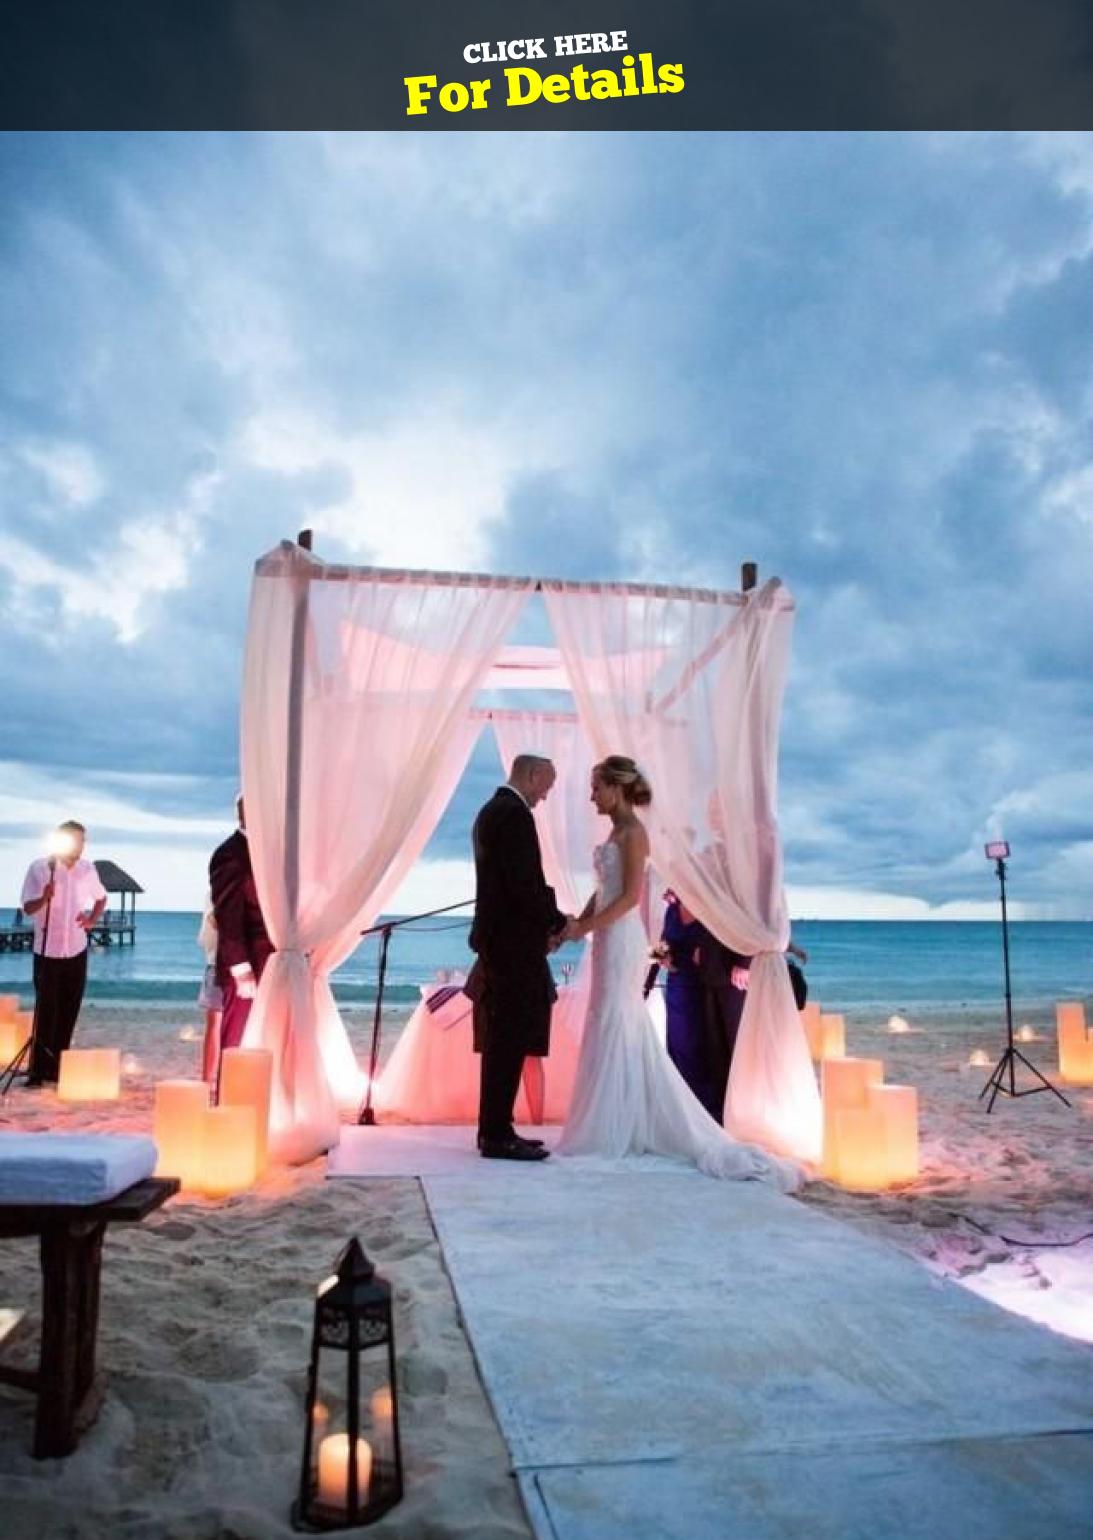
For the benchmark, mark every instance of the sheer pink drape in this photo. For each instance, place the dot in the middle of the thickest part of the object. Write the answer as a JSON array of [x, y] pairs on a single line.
[[356, 693], [690, 684], [568, 824]]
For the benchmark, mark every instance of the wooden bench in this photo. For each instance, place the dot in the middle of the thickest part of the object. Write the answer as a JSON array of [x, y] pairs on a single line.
[[71, 1240]]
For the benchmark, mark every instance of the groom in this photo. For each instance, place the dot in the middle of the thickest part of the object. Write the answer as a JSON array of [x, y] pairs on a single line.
[[516, 922]]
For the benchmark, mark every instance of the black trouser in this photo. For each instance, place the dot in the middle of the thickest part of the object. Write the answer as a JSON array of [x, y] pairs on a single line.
[[723, 1007], [58, 993], [502, 1063]]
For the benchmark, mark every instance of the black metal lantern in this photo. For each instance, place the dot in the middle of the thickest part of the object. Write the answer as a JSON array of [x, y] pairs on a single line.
[[352, 1467]]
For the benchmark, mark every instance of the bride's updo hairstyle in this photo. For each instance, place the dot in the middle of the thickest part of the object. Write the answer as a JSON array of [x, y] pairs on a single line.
[[617, 770]]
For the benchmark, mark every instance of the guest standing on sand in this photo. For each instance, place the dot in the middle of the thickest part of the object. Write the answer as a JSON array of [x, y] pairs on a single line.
[[64, 897], [243, 945]]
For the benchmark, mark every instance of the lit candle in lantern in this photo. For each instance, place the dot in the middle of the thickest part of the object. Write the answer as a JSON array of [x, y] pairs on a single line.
[[1075, 1044], [334, 1470], [897, 1025], [380, 1405], [898, 1106], [90, 1075], [844, 1085], [227, 1150], [245, 1075], [979, 1059], [179, 1109]]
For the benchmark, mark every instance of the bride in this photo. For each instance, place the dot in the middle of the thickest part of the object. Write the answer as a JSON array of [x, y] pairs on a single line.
[[628, 1096]]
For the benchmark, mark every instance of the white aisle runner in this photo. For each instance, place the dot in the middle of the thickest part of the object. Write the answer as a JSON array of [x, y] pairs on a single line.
[[674, 1358]]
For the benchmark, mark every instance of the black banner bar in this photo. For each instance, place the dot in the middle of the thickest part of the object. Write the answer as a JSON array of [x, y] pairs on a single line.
[[595, 65]]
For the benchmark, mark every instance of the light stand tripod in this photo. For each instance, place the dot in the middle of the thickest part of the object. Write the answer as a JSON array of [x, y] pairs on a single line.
[[9, 1072], [1006, 1066]]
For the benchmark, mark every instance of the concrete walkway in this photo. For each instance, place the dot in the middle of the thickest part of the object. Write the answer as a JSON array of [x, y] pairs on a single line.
[[674, 1358]]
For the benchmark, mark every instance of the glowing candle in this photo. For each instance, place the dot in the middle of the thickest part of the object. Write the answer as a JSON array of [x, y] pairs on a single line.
[[1075, 1044], [90, 1075], [380, 1405], [844, 1085], [245, 1075], [898, 1106], [334, 1470], [227, 1150], [13, 1034], [897, 1025], [859, 1149], [810, 1020], [832, 1037], [180, 1106], [979, 1059]]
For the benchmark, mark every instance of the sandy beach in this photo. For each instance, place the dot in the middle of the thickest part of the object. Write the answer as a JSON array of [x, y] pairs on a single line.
[[206, 1307]]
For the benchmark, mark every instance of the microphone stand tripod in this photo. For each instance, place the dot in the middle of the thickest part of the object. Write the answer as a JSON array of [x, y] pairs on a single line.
[[8, 1074], [367, 1115], [1006, 1065]]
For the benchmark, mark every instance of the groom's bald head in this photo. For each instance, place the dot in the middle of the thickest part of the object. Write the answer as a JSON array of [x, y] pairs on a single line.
[[532, 775]]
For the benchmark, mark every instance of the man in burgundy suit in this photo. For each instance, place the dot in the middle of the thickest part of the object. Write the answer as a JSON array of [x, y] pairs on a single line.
[[242, 943]]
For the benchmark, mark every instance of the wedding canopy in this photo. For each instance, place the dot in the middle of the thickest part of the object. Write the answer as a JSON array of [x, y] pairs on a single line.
[[359, 717]]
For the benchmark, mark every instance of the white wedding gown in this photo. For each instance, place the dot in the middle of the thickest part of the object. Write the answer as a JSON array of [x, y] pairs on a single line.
[[628, 1096]]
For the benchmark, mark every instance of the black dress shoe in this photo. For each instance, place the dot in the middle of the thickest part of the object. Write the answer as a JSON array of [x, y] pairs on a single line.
[[511, 1149], [535, 1144]]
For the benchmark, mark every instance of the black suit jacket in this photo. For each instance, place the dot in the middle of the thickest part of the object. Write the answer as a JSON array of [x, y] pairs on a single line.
[[240, 929], [515, 911]]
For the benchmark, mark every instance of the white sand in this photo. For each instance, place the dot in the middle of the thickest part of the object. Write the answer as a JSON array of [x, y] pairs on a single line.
[[204, 1340], [207, 1307], [1000, 1196]]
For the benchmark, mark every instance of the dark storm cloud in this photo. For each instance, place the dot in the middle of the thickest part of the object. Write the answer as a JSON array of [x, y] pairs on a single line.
[[859, 360]]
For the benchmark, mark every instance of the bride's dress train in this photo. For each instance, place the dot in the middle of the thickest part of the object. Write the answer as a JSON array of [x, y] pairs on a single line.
[[628, 1096]]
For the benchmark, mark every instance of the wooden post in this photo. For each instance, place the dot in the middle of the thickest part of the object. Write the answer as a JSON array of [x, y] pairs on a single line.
[[749, 576]]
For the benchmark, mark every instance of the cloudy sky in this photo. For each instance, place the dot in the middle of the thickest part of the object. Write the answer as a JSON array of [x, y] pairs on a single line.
[[865, 362]]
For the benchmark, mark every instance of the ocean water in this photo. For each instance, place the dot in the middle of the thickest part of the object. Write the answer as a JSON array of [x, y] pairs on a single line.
[[883, 966]]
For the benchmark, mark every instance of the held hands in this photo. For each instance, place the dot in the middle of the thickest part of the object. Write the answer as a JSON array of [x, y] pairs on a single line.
[[570, 931]]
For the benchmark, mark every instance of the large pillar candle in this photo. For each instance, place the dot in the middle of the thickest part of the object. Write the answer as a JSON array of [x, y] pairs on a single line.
[[844, 1084], [1075, 1043], [858, 1159], [810, 1020], [245, 1075], [898, 1106], [180, 1106], [227, 1150], [90, 1075], [14, 1032], [832, 1037]]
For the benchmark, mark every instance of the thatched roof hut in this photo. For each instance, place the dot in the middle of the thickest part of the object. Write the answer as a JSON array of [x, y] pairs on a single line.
[[118, 926], [114, 880]]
